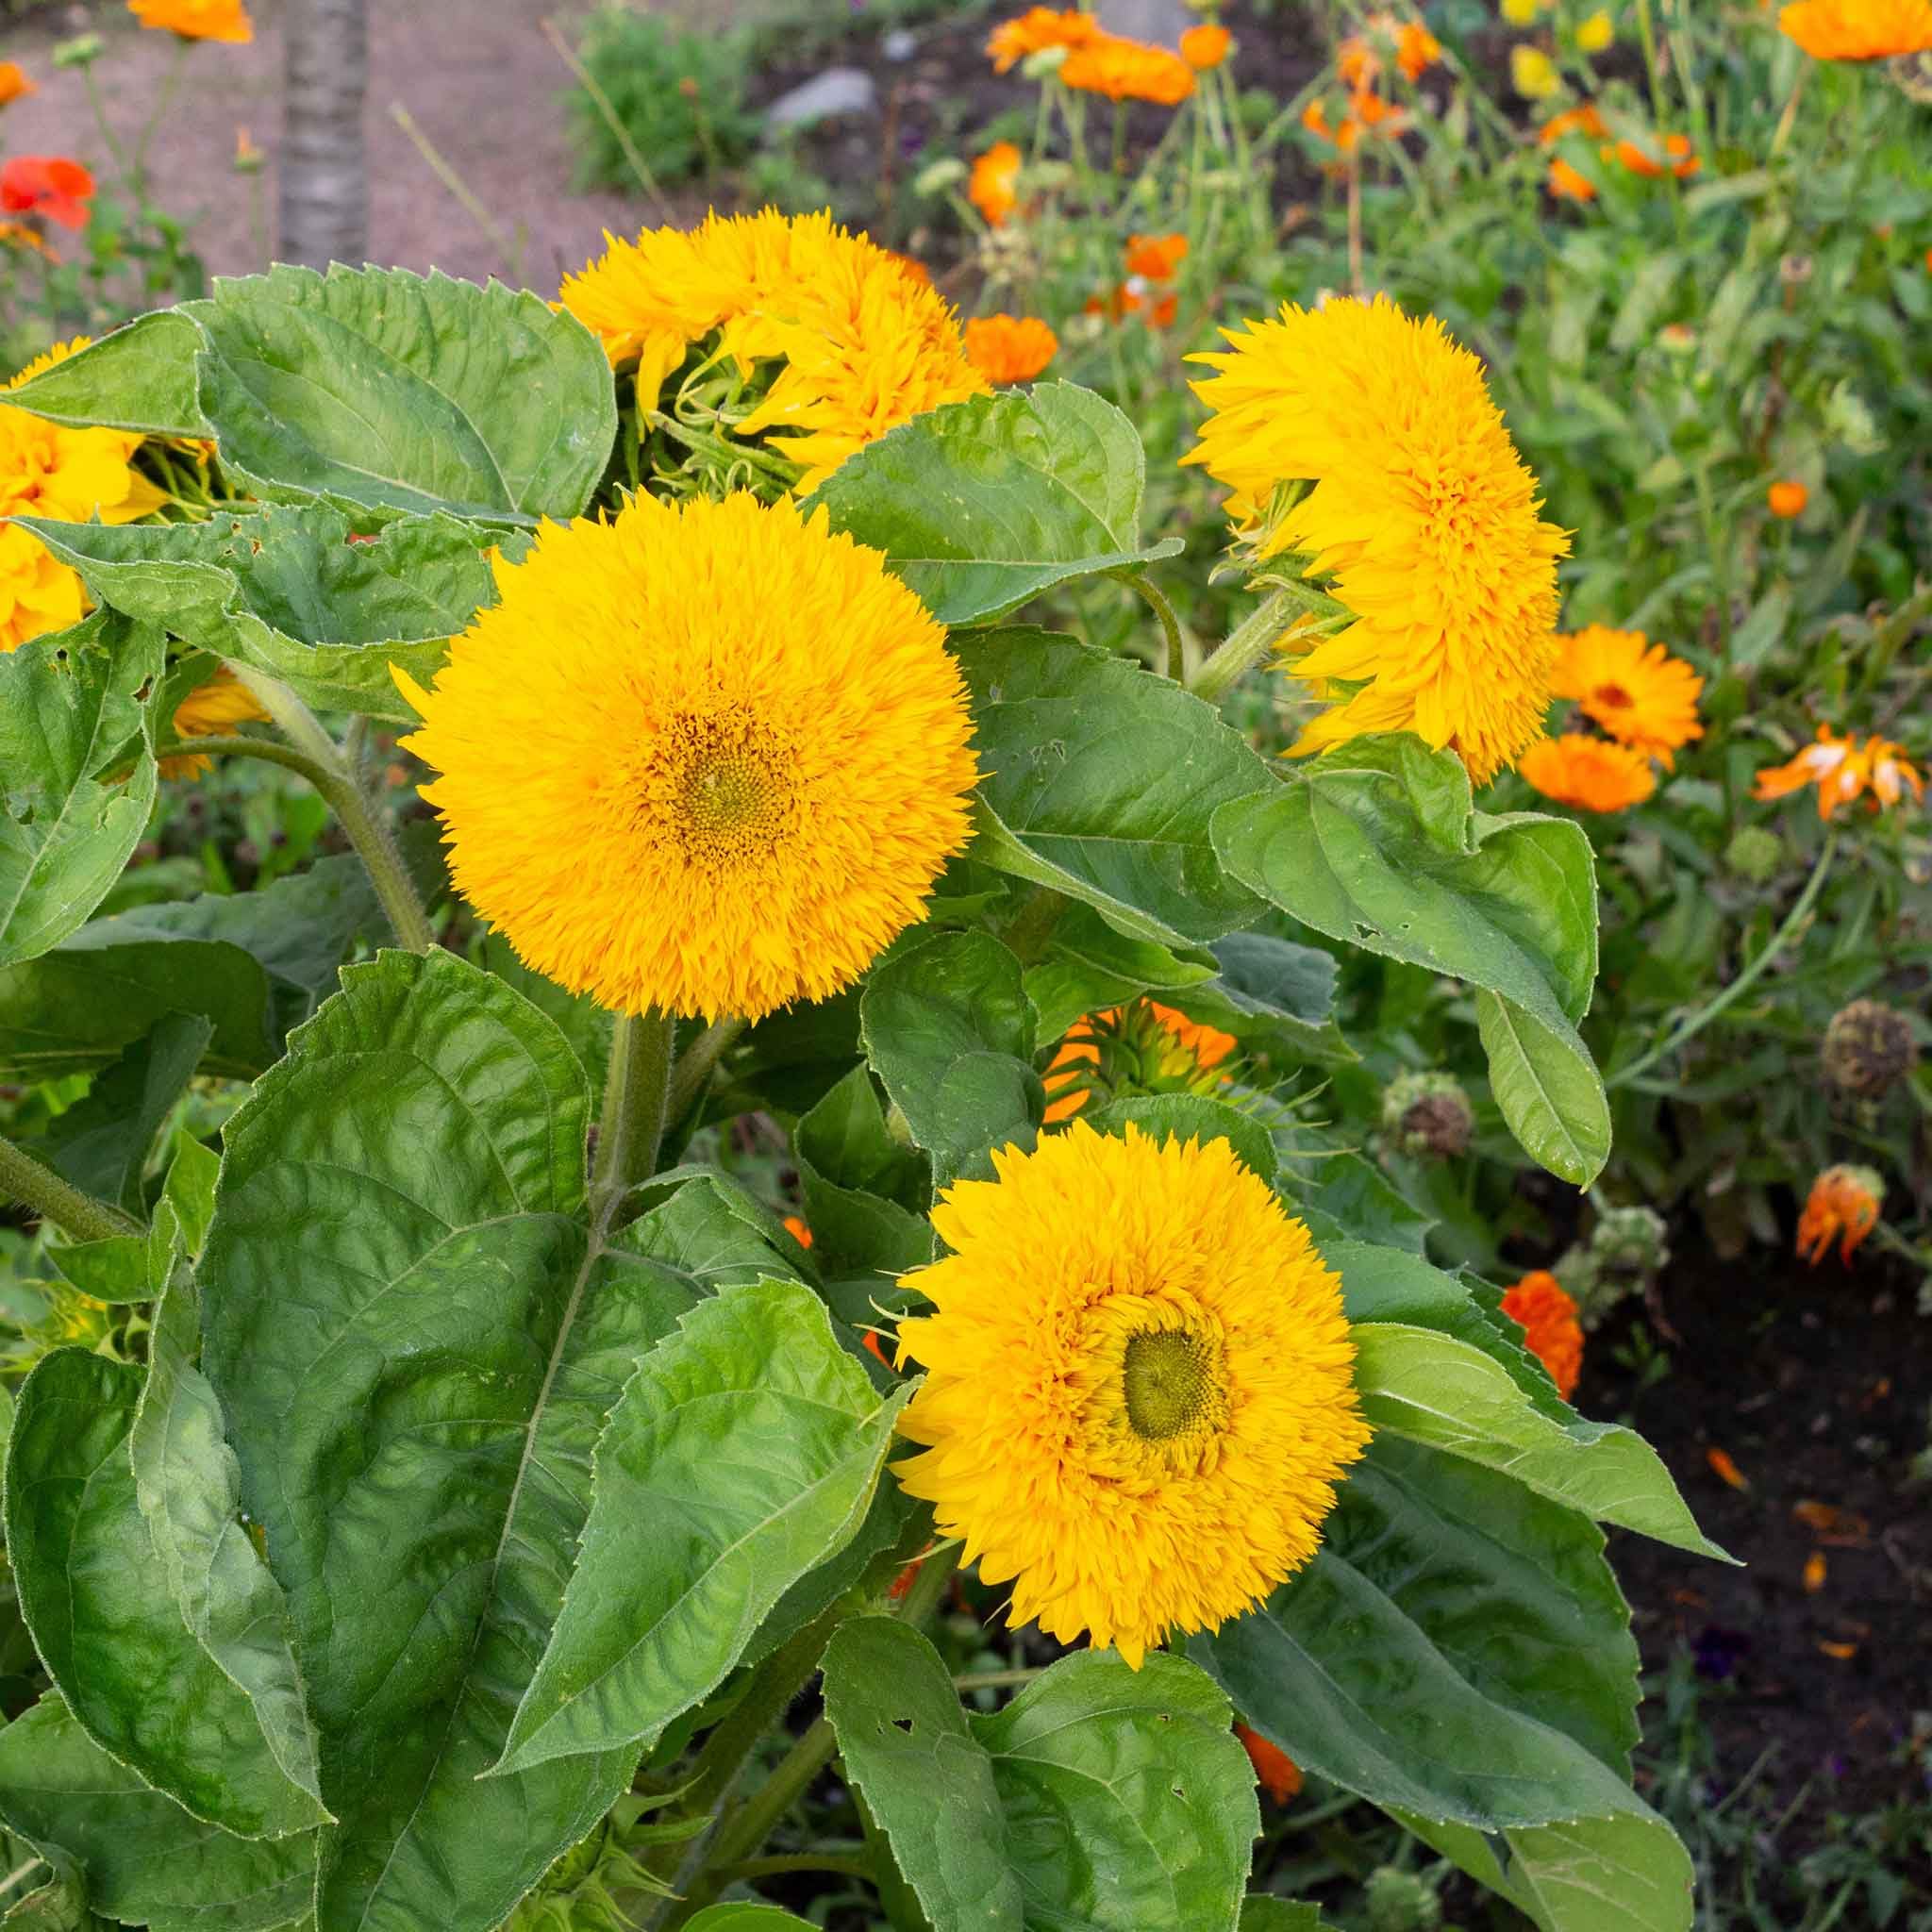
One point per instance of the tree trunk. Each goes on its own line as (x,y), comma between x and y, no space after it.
(325,165)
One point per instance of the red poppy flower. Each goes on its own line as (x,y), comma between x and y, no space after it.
(49,184)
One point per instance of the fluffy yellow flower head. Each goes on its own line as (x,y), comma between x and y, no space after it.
(865,345)
(69,475)
(1641,695)
(1422,513)
(1139,1393)
(211,710)
(707,759)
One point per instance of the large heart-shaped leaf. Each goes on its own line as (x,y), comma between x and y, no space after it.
(414,1423)
(771,1438)
(982,504)
(76,782)
(1377,844)
(1101,781)
(283,590)
(94,1593)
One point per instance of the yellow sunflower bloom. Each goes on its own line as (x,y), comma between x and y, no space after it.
(1139,1394)
(1423,513)
(864,347)
(707,759)
(1641,695)
(69,476)
(211,710)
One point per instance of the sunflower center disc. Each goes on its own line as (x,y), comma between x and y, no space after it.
(728,788)
(1168,1379)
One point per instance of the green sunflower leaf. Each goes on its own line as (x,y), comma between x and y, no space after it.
(414,1428)
(865,1194)
(95,1595)
(76,782)
(1102,781)
(144,1860)
(140,377)
(772,1437)
(1375,844)
(982,504)
(283,590)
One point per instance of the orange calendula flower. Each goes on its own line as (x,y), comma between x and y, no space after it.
(1156,256)
(1843,1206)
(1124,69)
(1036,30)
(214,710)
(1591,773)
(1205,46)
(1858,29)
(196,20)
(1678,158)
(1416,49)
(1842,769)
(1147,1047)
(51,186)
(1641,695)
(1787,499)
(1275,1771)
(1568,183)
(13,82)
(993,187)
(1540,1307)
(1009,348)
(1583,120)
(1356,63)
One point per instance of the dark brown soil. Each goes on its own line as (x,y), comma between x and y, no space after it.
(1816,1386)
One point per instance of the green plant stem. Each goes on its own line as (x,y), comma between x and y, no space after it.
(1025,935)
(339,785)
(994,1680)
(164,99)
(803,1861)
(637,1089)
(607,114)
(1170,624)
(1250,642)
(1745,981)
(507,251)
(25,1179)
(698,1061)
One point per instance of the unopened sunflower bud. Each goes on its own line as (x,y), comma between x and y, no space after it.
(83,50)
(582,1890)
(1868,1047)
(1630,1242)
(1044,62)
(1402,1901)
(937,176)
(1755,853)
(1428,1116)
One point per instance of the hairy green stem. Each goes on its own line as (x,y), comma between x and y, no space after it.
(1247,644)
(1745,981)
(803,1861)
(698,1061)
(1170,624)
(25,1179)
(331,775)
(637,1089)
(995,1680)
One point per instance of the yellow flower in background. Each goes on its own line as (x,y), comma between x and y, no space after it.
(1522,13)
(196,20)
(1592,773)
(211,710)
(1858,29)
(1596,33)
(864,347)
(706,758)
(67,475)
(1139,1392)
(1532,72)
(1423,513)
(1641,695)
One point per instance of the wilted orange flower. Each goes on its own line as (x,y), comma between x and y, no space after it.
(1275,1771)
(1124,69)
(911,268)
(1187,1047)
(1539,1305)
(1844,1201)
(1568,183)
(994,185)
(1416,49)
(1583,120)
(1641,695)
(1006,348)
(1130,298)
(796,1227)
(1356,63)
(1858,29)
(1592,773)
(1039,28)
(18,235)
(13,82)
(196,20)
(1785,498)
(1315,119)
(1842,769)
(1157,256)
(48,185)
(211,710)
(1676,156)
(1205,46)
(1725,1470)
(1816,1571)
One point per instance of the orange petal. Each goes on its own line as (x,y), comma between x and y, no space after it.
(1726,1468)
